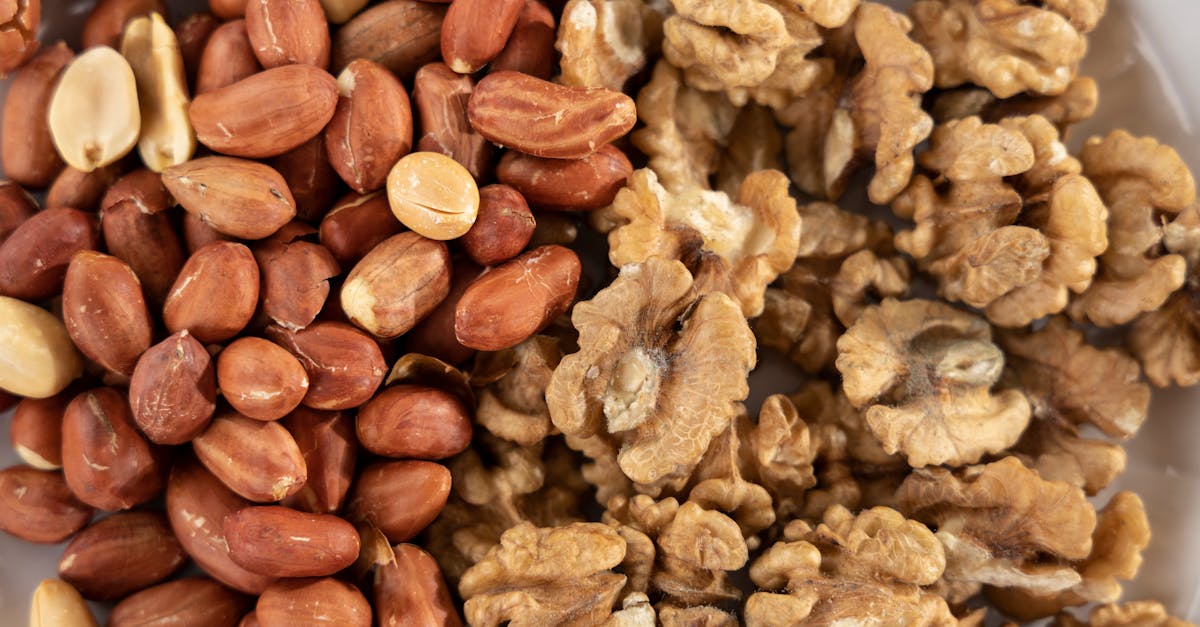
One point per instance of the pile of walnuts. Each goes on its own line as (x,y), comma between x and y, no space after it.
(938,458)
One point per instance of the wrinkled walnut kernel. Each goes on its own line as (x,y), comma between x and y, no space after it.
(605,42)
(925,372)
(659,371)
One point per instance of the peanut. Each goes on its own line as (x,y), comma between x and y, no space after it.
(433,195)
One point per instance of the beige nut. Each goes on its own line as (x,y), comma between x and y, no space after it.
(94,115)
(153,53)
(56,604)
(433,195)
(37,358)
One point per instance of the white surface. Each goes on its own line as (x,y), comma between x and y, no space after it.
(1145,57)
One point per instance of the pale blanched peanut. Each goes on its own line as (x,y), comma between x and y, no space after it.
(37,358)
(433,195)
(57,604)
(153,53)
(94,115)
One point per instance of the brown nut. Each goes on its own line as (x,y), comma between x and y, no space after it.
(105,24)
(288,31)
(228,57)
(258,460)
(400,498)
(83,190)
(17,206)
(56,604)
(37,506)
(344,365)
(197,503)
(195,601)
(357,224)
(387,304)
(433,195)
(147,241)
(283,542)
(37,358)
(173,390)
(371,128)
(530,47)
(516,300)
(26,147)
(143,187)
(567,184)
(260,379)
(292,602)
(93,116)
(227,10)
(216,293)
(266,114)
(107,462)
(34,258)
(475,31)
(412,591)
(295,281)
(327,441)
(18,40)
(242,198)
(441,98)
(401,35)
(193,34)
(121,554)
(434,336)
(310,177)
(150,47)
(503,227)
(414,422)
(105,312)
(544,119)
(37,431)
(197,233)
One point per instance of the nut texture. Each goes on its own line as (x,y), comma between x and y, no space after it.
(266,114)
(283,542)
(26,147)
(294,602)
(19,40)
(197,503)
(344,365)
(194,601)
(400,498)
(228,57)
(441,98)
(516,300)
(371,128)
(295,281)
(153,54)
(401,35)
(386,305)
(173,390)
(94,117)
(433,195)
(259,379)
(543,119)
(258,460)
(107,462)
(104,311)
(37,431)
(503,228)
(530,47)
(414,422)
(241,198)
(288,31)
(310,177)
(565,184)
(141,234)
(34,258)
(56,604)
(121,554)
(37,506)
(37,358)
(216,293)
(475,31)
(356,224)
(327,441)
(411,591)
(106,22)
